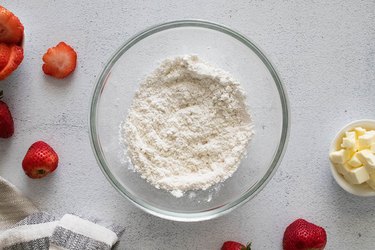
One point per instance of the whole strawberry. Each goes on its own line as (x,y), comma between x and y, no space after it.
(233,245)
(6,121)
(303,235)
(40,160)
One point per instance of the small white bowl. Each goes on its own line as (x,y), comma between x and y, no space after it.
(359,190)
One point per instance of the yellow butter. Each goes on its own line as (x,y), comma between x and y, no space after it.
(341,156)
(343,169)
(366,139)
(357,175)
(349,141)
(371,181)
(360,131)
(354,161)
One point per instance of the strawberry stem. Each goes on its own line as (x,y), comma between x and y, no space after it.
(41,171)
(248,246)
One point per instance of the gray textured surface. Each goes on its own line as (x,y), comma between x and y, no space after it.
(325,53)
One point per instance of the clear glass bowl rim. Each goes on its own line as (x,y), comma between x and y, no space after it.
(193,216)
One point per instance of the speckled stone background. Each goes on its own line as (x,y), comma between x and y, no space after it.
(324,52)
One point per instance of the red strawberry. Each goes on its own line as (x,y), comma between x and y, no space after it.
(232,245)
(4,55)
(15,59)
(303,235)
(59,61)
(11,29)
(40,160)
(6,121)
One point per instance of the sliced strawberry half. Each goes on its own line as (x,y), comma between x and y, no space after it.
(4,55)
(15,59)
(11,29)
(60,61)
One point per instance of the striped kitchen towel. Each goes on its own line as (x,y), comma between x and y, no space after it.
(42,231)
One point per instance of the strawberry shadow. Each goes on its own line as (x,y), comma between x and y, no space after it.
(65,82)
(40,190)
(5,145)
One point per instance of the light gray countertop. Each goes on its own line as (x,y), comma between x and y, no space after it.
(324,52)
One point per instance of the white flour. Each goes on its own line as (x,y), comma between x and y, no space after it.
(188,126)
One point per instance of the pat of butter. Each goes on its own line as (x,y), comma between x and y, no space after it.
(366,140)
(357,175)
(371,181)
(354,161)
(343,169)
(349,141)
(341,156)
(360,131)
(372,148)
(366,157)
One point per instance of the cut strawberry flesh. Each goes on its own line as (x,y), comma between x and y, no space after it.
(60,61)
(11,29)
(4,55)
(15,59)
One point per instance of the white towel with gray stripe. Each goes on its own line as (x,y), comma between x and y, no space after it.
(42,231)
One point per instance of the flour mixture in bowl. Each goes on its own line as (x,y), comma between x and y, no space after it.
(188,126)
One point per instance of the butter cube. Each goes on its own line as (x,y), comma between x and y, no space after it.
(368,159)
(343,169)
(370,170)
(371,181)
(372,148)
(366,140)
(354,161)
(349,141)
(357,175)
(341,156)
(360,131)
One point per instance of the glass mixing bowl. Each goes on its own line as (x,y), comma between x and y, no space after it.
(222,48)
